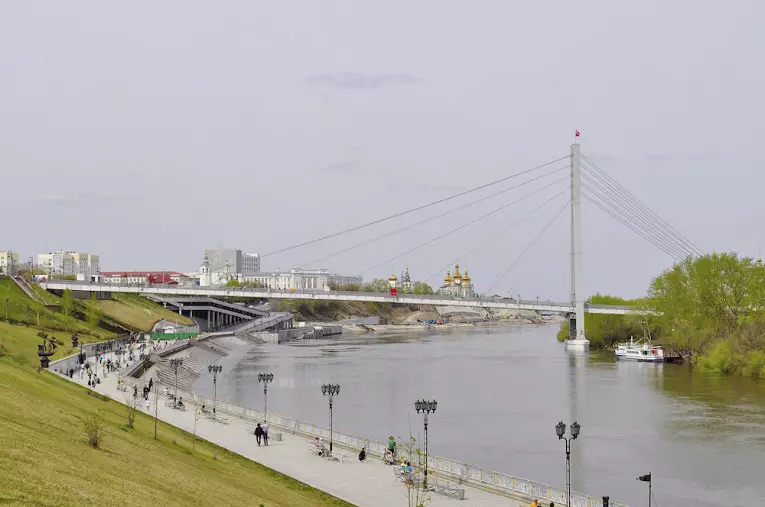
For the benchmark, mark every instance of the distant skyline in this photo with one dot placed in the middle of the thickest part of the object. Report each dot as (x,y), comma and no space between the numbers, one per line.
(148,132)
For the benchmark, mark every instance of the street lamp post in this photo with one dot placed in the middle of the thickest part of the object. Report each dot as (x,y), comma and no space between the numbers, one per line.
(426,407)
(265,379)
(215,369)
(560,430)
(647,478)
(175,364)
(330,390)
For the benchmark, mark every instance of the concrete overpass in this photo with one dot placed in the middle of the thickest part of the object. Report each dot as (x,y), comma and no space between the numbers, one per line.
(367,297)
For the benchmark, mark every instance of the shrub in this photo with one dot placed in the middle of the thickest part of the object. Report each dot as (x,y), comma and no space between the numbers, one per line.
(722,360)
(755,365)
(94,431)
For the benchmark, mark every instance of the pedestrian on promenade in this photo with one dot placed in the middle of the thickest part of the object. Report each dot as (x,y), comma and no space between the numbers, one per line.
(392,446)
(258,433)
(147,404)
(265,433)
(363,454)
(534,503)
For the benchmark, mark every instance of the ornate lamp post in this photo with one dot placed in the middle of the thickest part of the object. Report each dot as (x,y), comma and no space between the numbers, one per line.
(175,364)
(426,407)
(560,430)
(330,390)
(215,369)
(265,379)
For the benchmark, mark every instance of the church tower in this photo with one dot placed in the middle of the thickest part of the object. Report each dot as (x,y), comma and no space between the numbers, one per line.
(205,280)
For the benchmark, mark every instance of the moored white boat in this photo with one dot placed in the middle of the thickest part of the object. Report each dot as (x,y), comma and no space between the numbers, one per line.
(640,351)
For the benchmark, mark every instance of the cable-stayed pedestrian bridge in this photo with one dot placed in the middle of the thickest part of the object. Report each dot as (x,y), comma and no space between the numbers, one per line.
(366,297)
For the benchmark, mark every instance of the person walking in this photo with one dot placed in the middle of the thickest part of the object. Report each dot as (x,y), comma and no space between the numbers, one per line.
(392,446)
(265,433)
(258,433)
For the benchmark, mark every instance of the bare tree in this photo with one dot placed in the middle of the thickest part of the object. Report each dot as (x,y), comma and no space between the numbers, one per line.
(131,402)
(156,403)
(94,431)
(416,495)
(197,413)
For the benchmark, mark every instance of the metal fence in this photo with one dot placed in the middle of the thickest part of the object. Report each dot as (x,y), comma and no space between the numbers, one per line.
(447,468)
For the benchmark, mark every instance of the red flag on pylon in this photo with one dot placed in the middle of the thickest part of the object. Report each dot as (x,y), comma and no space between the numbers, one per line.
(577,133)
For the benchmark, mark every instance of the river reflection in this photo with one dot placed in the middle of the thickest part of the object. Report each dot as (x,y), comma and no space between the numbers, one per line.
(501,391)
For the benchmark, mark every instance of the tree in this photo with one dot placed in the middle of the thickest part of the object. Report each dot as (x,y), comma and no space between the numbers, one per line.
(422,288)
(67,306)
(377,285)
(131,403)
(93,311)
(708,299)
(233,283)
(416,495)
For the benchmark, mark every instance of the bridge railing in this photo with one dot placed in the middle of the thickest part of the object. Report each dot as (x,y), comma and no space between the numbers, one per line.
(446,468)
(506,303)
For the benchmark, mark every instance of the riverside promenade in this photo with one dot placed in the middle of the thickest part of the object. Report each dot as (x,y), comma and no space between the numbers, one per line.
(370,483)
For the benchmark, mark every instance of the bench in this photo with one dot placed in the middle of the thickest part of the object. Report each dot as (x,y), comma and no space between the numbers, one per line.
(447,490)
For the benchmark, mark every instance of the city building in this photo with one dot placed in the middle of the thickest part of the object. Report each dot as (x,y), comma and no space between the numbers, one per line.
(61,263)
(145,277)
(233,261)
(9,262)
(301,279)
(457,285)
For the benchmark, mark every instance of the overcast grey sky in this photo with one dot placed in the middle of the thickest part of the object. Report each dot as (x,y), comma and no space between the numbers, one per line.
(149,131)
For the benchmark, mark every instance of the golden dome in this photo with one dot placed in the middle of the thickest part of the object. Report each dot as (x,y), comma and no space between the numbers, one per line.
(448,277)
(392,278)
(466,278)
(457,275)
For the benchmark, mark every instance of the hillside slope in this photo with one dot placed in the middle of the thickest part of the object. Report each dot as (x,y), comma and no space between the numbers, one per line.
(46,460)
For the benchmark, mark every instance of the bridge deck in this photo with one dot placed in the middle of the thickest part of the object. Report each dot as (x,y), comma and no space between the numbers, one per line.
(411,299)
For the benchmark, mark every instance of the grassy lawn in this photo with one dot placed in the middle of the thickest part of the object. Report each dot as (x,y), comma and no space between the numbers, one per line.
(129,311)
(17,307)
(45,459)
(136,312)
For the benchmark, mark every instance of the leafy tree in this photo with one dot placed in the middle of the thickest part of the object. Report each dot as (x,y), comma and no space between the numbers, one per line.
(233,283)
(707,299)
(93,311)
(421,288)
(377,285)
(67,306)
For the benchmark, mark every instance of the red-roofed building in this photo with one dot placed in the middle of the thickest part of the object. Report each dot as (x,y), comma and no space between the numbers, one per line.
(143,277)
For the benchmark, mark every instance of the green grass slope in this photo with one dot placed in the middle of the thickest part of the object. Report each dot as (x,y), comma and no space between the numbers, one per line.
(45,459)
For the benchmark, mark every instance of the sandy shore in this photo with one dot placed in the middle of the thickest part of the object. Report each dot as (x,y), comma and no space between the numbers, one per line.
(420,327)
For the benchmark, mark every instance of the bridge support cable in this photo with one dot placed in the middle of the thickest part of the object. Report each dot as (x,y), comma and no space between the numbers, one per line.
(647,228)
(417,208)
(626,223)
(495,236)
(435,217)
(528,247)
(461,227)
(662,224)
(636,215)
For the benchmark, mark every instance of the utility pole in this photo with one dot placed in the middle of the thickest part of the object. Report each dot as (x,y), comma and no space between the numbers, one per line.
(577,338)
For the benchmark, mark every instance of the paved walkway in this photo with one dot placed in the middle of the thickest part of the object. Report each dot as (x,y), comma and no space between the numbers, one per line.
(364,484)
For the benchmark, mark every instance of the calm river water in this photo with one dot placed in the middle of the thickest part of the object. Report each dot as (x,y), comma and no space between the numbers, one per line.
(500,392)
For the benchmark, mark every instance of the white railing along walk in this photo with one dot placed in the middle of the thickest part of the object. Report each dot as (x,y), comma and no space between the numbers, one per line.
(447,468)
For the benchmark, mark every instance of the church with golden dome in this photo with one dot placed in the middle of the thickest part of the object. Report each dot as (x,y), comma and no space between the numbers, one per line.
(457,285)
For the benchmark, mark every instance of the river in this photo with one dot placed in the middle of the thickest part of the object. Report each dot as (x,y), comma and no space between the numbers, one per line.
(500,392)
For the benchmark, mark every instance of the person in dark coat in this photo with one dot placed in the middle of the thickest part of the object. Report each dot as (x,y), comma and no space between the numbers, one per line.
(258,433)
(363,454)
